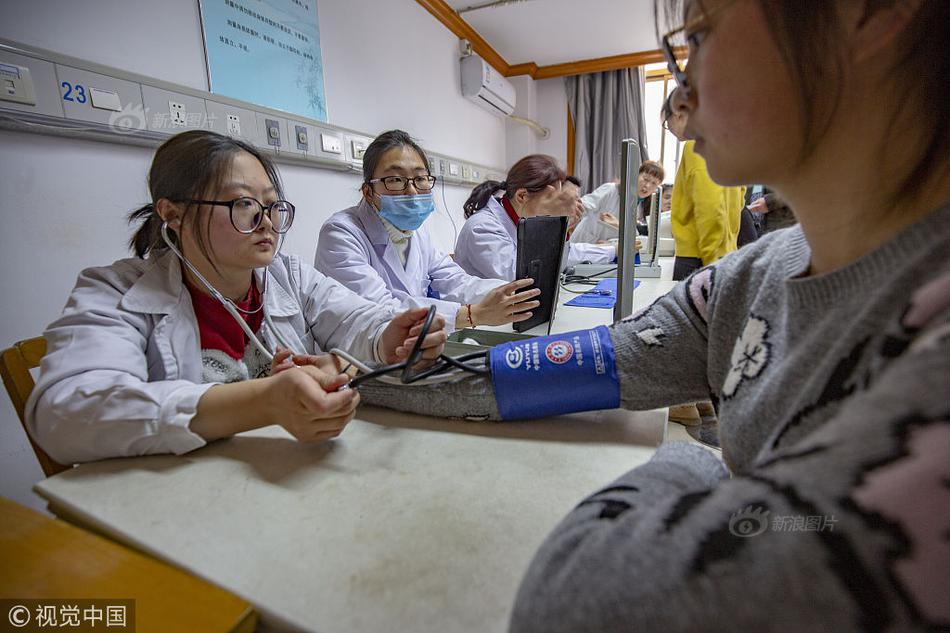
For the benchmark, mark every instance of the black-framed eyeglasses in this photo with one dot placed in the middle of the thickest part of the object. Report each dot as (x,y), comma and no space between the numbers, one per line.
(399,183)
(247,214)
(676,44)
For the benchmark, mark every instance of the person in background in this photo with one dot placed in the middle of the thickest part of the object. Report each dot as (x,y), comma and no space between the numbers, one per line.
(604,252)
(186,342)
(770,212)
(487,244)
(602,206)
(705,216)
(381,249)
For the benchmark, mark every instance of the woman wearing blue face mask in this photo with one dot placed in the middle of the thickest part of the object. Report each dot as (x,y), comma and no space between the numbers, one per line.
(381,249)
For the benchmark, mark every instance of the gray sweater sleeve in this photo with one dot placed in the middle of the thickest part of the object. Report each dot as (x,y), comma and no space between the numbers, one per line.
(839,532)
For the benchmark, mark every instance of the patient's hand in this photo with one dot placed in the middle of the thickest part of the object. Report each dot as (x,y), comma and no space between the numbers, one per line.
(329,364)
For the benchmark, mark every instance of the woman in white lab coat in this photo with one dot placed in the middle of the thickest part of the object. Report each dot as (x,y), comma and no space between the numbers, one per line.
(381,249)
(487,245)
(162,353)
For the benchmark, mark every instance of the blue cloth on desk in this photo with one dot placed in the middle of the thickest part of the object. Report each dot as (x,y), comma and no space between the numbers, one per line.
(599,300)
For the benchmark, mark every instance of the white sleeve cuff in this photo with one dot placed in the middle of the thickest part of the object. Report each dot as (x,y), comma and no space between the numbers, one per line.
(175,417)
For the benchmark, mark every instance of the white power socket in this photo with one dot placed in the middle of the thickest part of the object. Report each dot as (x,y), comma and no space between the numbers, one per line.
(177,112)
(234,125)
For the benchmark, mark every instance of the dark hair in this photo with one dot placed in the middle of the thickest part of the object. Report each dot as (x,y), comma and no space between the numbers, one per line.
(574,180)
(666,111)
(382,144)
(806,31)
(187,166)
(653,168)
(533,172)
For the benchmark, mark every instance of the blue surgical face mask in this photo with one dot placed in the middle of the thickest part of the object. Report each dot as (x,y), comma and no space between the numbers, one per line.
(406,213)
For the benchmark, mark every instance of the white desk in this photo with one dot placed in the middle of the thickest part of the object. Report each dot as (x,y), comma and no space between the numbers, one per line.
(404,523)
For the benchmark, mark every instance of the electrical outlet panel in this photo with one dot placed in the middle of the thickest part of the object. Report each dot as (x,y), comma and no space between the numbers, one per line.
(45,85)
(56,87)
(234,125)
(16,84)
(272,132)
(302,137)
(233,121)
(173,112)
(176,113)
(331,144)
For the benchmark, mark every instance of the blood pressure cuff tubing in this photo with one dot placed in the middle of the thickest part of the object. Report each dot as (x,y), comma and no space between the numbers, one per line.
(550,375)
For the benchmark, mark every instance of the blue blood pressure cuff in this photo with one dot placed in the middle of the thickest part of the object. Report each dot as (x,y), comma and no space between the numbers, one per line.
(550,375)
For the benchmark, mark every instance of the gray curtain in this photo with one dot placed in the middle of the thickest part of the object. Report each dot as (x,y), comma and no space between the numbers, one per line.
(607,108)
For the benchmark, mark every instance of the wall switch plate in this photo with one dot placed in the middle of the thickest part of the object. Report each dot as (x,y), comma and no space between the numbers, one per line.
(453,169)
(177,112)
(331,144)
(475,174)
(272,129)
(441,166)
(234,125)
(16,84)
(432,166)
(466,172)
(357,148)
(303,140)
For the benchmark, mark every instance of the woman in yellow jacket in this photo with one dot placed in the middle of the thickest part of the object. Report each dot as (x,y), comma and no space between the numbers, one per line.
(704,216)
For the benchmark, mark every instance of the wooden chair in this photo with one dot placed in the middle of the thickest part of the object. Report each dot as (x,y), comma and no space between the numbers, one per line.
(15,365)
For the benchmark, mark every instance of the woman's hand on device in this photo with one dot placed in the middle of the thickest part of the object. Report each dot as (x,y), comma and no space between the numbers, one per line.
(401,334)
(505,304)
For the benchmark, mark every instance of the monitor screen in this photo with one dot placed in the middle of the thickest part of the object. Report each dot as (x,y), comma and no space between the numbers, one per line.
(540,248)
(626,249)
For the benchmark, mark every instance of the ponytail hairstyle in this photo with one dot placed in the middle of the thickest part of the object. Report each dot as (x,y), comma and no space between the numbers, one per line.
(533,172)
(190,165)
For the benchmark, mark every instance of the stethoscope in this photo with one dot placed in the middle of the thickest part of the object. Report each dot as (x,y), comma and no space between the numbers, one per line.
(229,305)
(444,368)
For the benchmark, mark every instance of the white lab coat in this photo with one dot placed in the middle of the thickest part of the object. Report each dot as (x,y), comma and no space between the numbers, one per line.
(488,245)
(122,373)
(605,198)
(355,249)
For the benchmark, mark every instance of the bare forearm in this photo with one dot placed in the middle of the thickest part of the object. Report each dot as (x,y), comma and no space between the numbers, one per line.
(231,408)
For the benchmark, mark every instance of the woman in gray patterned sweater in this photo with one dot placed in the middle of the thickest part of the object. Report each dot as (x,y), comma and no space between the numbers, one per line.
(825,345)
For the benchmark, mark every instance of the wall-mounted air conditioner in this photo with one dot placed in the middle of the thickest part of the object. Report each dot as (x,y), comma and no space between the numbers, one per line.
(485,86)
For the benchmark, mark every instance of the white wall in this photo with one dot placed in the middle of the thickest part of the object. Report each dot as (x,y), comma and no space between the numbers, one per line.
(545,102)
(64,201)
